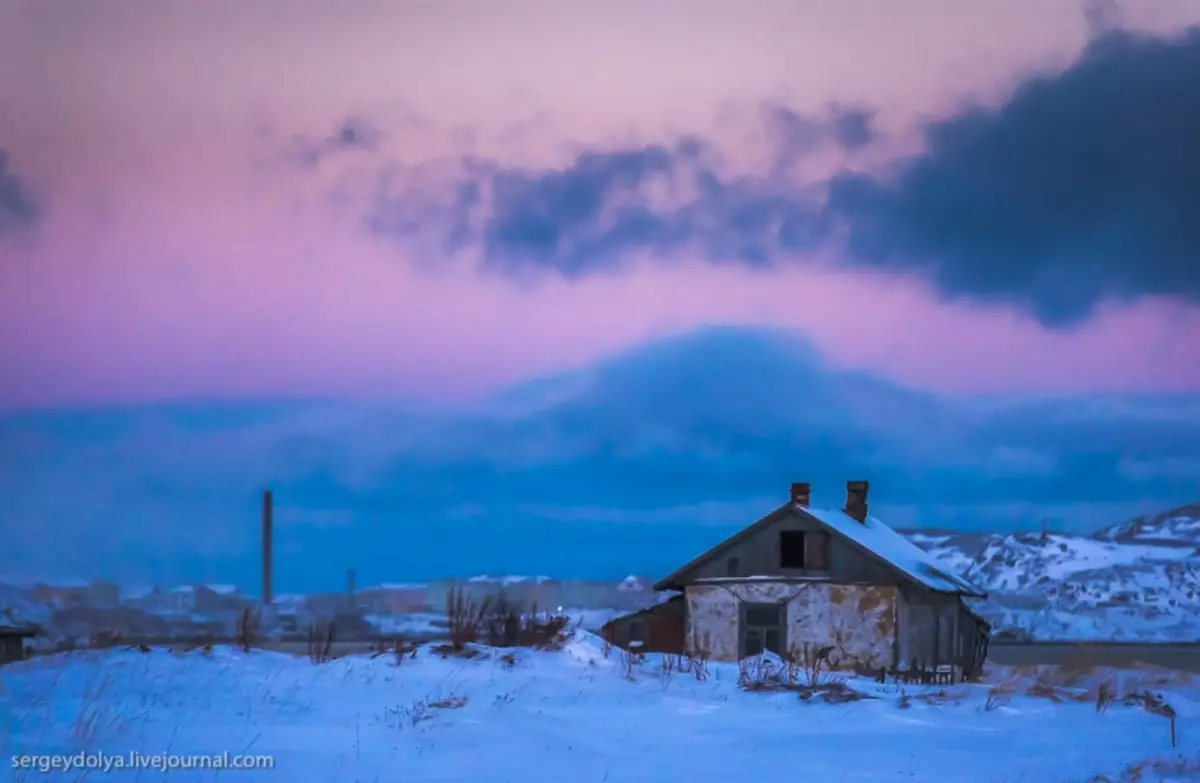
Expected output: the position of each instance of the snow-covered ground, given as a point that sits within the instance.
(578, 715)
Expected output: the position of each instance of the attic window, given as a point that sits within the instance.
(731, 567)
(791, 549)
(800, 549)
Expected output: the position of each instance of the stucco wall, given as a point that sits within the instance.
(858, 621)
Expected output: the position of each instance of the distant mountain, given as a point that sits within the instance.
(1135, 580)
(1177, 527)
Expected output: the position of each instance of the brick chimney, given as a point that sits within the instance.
(856, 500)
(802, 493)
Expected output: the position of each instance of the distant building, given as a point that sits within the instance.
(12, 641)
(214, 599)
(77, 592)
(391, 598)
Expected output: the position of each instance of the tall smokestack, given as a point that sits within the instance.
(266, 548)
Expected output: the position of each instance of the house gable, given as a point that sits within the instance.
(755, 552)
(867, 552)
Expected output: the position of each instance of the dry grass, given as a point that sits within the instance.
(248, 629)
(424, 710)
(464, 618)
(1141, 771)
(320, 642)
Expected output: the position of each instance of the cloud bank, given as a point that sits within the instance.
(17, 206)
(1081, 187)
(631, 464)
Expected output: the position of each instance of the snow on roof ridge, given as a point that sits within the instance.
(893, 548)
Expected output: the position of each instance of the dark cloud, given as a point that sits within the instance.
(624, 465)
(353, 134)
(17, 206)
(850, 128)
(1102, 16)
(1083, 186)
(605, 206)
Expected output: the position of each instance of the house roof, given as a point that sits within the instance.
(872, 536)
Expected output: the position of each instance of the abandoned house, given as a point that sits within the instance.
(803, 582)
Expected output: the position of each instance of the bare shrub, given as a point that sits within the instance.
(464, 618)
(449, 650)
(402, 650)
(606, 635)
(702, 652)
(507, 624)
(1104, 698)
(831, 692)
(997, 695)
(905, 701)
(249, 624)
(320, 642)
(629, 661)
(502, 622)
(814, 661)
(1154, 704)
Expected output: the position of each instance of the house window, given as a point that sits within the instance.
(637, 631)
(731, 567)
(816, 551)
(762, 629)
(791, 549)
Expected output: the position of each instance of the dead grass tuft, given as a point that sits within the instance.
(320, 642)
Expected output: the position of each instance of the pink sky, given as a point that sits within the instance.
(182, 256)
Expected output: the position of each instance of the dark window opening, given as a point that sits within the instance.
(753, 643)
(637, 631)
(816, 550)
(791, 549)
(764, 615)
(731, 568)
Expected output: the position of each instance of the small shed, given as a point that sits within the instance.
(12, 642)
(659, 628)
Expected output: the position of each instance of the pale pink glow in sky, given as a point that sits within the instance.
(181, 257)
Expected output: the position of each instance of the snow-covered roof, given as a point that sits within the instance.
(873, 536)
(894, 549)
(386, 586)
(224, 589)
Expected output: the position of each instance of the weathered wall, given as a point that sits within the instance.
(858, 621)
(758, 555)
(929, 633)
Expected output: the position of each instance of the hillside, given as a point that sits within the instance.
(1135, 580)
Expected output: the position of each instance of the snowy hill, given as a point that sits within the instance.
(1178, 527)
(1136, 580)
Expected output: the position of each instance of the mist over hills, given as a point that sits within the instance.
(631, 464)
